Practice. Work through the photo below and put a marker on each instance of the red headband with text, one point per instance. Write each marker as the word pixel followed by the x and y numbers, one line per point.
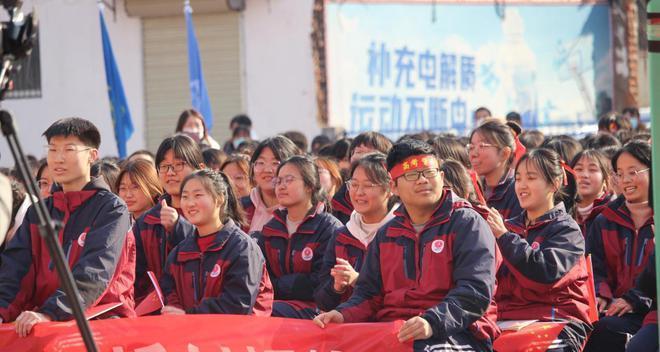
pixel 415 162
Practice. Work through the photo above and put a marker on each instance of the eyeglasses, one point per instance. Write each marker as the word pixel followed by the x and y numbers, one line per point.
pixel 632 175
pixel 286 180
pixel 481 147
pixel 414 175
pixel 176 167
pixel 67 151
pixel 355 186
pixel 261 165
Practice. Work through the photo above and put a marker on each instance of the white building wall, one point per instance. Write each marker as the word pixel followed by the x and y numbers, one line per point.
pixel 73 77
pixel 279 72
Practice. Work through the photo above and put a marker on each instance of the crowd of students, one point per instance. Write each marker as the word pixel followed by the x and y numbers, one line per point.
pixel 450 234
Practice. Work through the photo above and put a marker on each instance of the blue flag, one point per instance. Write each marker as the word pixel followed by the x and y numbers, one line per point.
pixel 121 117
pixel 200 97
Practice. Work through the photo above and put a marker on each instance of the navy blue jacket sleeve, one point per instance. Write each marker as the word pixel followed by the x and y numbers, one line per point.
pixel 16 272
pixel 182 229
pixel 559 252
pixel 325 296
pixel 168 284
pixel 473 272
pixel 596 248
pixel 642 297
pixel 97 263
pixel 240 285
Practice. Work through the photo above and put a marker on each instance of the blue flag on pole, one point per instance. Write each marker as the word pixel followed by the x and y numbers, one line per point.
pixel 121 117
pixel 200 97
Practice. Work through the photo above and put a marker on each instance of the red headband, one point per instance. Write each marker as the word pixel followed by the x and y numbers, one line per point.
pixel 520 150
pixel 415 162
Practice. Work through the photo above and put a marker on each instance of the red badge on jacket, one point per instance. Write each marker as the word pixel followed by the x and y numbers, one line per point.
pixel 307 254
pixel 216 271
pixel 437 246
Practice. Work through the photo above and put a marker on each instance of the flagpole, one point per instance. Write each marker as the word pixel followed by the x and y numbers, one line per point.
pixel 653 33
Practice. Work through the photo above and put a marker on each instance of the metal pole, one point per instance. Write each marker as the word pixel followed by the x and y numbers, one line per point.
pixel 653 13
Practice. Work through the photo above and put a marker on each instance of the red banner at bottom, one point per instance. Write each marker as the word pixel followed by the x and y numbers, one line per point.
pixel 218 333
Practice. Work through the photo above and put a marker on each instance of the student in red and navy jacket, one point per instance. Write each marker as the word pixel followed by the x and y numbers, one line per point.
pixel 544 275
pixel 161 228
pixel 491 151
pixel 295 240
pixel 219 269
pixel 95 236
pixel 433 265
pixel 621 240
pixel 262 202
pixel 592 172
pixel 363 143
pixel 369 189
pixel 646 339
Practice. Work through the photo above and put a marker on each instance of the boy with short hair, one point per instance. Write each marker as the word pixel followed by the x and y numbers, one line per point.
pixel 95 235
pixel 433 265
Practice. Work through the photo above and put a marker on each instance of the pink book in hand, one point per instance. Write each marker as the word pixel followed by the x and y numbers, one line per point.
pixel 153 301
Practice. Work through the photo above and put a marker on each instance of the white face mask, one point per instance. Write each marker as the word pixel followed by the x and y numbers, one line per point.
pixel 194 132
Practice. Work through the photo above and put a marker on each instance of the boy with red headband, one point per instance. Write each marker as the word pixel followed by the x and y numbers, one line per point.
pixel 433 265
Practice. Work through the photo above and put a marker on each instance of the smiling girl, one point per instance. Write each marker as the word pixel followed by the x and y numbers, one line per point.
pixel 369 190
pixel 491 151
pixel 295 240
pixel 262 202
pixel 162 227
pixel 592 172
pixel 620 240
pixel 544 275
pixel 219 269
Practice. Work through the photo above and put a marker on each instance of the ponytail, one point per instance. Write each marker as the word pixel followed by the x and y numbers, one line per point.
pixel 233 208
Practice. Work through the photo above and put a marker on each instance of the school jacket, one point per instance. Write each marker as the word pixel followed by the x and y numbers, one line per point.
pixel 228 278
pixel 295 262
pixel 619 253
pixel 154 245
pixel 445 274
pixel 99 247
pixel 544 275
pixel 504 198
pixel 342 207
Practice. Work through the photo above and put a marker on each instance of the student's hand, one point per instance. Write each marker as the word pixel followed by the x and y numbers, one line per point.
pixel 601 303
pixel 496 223
pixel 27 320
pixel 170 310
pixel 168 216
pixel 344 274
pixel 415 328
pixel 332 316
pixel 619 307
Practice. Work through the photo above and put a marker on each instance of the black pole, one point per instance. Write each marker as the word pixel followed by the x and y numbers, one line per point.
pixel 46 228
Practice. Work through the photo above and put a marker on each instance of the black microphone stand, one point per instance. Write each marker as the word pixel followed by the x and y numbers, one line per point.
pixel 46 228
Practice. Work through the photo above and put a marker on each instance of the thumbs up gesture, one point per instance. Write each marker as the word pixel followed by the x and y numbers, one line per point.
pixel 168 216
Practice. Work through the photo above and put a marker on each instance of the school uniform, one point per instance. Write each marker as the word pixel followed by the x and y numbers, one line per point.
pixel 620 252
pixel 646 339
pixel 99 247
pixel 596 208
pixel 503 197
pixel 154 245
pixel 342 207
pixel 545 275
pixel 350 243
pixel 445 273
pixel 223 273
pixel 295 260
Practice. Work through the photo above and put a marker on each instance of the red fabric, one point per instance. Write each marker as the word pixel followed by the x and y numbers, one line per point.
pixel 208 333
pixel 651 318
pixel 205 242
pixel 415 162
pixel 534 337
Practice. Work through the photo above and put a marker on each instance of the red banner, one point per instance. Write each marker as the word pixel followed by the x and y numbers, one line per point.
pixel 217 333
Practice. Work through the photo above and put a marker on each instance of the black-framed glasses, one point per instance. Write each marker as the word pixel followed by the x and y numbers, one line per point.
pixel 428 174
pixel 176 167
